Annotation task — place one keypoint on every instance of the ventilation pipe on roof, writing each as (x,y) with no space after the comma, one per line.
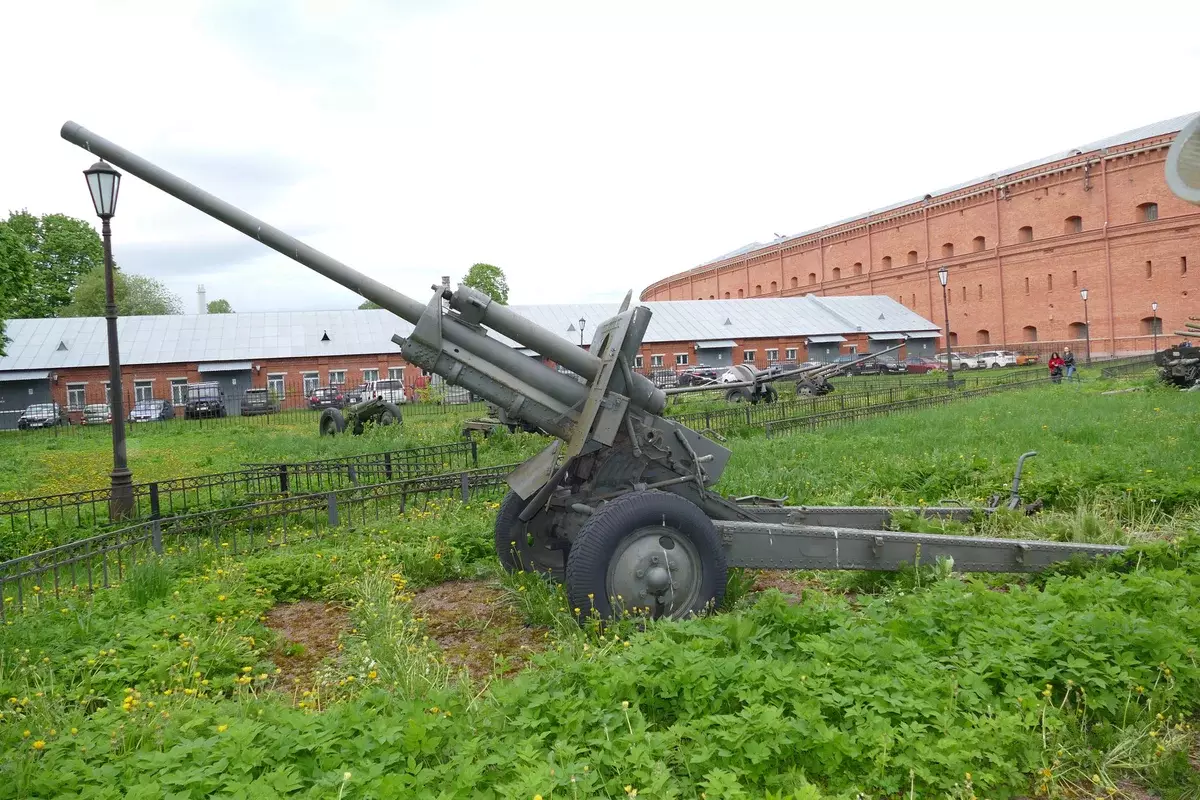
(201,306)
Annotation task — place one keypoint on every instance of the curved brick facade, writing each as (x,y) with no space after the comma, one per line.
(1019,248)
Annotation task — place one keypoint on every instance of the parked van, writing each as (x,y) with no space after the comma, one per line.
(390,389)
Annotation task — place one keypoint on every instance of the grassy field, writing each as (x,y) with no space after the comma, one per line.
(184,682)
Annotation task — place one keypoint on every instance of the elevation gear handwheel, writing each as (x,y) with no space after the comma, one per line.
(650,551)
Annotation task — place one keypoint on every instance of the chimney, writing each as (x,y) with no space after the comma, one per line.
(201,306)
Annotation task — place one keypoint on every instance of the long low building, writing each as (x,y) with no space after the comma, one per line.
(65,360)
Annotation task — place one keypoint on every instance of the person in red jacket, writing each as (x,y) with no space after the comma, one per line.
(1056,365)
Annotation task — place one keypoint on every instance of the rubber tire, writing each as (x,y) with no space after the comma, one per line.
(507,529)
(770,395)
(737,396)
(331,418)
(597,542)
(392,411)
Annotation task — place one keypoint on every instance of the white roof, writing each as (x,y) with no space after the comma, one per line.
(194,338)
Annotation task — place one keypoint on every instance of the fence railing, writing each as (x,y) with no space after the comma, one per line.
(1127,366)
(90,507)
(104,559)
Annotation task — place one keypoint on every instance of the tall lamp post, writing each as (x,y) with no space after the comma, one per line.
(943,278)
(582,325)
(104,182)
(1087,329)
(1154,324)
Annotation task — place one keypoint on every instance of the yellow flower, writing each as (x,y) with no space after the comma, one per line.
(222,728)
(39,744)
(345,776)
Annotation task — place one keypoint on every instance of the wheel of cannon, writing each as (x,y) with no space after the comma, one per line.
(647,550)
(518,547)
(391,415)
(770,395)
(737,396)
(332,422)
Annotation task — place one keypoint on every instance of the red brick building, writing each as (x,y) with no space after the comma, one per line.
(1019,247)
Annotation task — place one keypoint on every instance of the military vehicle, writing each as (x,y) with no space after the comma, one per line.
(356,417)
(1180,365)
(620,506)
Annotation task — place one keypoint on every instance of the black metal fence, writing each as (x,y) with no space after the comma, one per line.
(105,559)
(1127,366)
(89,508)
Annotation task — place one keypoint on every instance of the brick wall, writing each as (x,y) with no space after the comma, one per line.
(1016,256)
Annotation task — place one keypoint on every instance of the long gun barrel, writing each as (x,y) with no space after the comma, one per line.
(486,366)
(817,371)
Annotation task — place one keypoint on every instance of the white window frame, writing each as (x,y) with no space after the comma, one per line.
(638,361)
(396,374)
(310,381)
(656,359)
(370,375)
(772,354)
(107,394)
(140,388)
(279,378)
(76,387)
(681,359)
(178,391)
(792,353)
(748,356)
(337,377)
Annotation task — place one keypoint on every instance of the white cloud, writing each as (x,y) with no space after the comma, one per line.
(586,148)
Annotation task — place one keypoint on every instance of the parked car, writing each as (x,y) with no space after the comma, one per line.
(327,397)
(151,411)
(258,401)
(997,358)
(891,365)
(41,415)
(958,360)
(1024,359)
(699,376)
(919,366)
(870,366)
(389,389)
(97,414)
(664,378)
(204,400)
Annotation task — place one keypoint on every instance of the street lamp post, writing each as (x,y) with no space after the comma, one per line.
(1087,329)
(1154,324)
(582,325)
(104,182)
(943,278)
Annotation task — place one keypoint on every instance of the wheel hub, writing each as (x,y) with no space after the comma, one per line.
(656,568)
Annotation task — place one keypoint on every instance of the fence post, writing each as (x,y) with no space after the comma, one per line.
(747,415)
(283,479)
(464,481)
(474,452)
(154,502)
(332,502)
(156,535)
(352,473)
(387,466)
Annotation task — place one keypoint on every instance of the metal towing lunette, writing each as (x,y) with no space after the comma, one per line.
(620,506)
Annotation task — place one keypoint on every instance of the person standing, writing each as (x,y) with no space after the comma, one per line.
(1056,367)
(1068,359)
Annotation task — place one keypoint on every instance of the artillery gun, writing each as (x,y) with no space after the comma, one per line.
(621,505)
(356,416)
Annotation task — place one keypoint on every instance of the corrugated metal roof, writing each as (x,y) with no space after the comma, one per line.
(826,339)
(1164,127)
(720,344)
(223,366)
(26,375)
(886,337)
(292,334)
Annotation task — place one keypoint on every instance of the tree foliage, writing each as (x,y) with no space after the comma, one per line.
(60,250)
(136,295)
(365,304)
(490,280)
(16,273)
(219,306)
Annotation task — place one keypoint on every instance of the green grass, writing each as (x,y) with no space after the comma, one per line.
(919,684)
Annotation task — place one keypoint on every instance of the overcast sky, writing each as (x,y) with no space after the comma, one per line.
(586,148)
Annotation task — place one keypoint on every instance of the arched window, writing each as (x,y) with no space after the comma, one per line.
(1077,330)
(1025,234)
(812,278)
(758,288)
(1151,326)
(1030,333)
(741,292)
(858,268)
(837,273)
(1073,225)
(711,297)
(1148,212)
(982,337)
(953,339)
(948,250)
(795,281)
(912,256)
(727,295)
(774,287)
(980,243)
(887,262)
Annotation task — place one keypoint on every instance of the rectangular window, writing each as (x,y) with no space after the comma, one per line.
(748,356)
(772,355)
(1049,282)
(1074,277)
(681,359)
(178,391)
(337,377)
(637,361)
(1027,286)
(1149,269)
(143,390)
(75,396)
(981,291)
(656,360)
(311,381)
(964,288)
(275,384)
(791,354)
(394,374)
(107,398)
(370,375)
(1183,265)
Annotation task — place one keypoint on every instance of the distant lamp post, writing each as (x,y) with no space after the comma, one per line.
(582,325)
(1154,324)
(104,183)
(943,279)
(1087,329)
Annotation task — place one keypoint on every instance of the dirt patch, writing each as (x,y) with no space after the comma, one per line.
(308,633)
(477,628)
(786,581)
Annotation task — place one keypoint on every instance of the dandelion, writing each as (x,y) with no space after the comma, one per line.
(632,792)
(39,745)
(222,728)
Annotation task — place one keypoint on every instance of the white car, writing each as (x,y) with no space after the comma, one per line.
(997,358)
(959,360)
(390,389)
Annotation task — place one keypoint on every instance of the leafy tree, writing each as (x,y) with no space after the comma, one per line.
(16,273)
(136,295)
(365,304)
(61,250)
(219,307)
(489,280)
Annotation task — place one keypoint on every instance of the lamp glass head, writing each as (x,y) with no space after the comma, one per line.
(103,182)
(943,275)
(1083,294)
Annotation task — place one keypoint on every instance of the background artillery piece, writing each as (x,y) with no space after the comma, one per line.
(621,506)
(356,416)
